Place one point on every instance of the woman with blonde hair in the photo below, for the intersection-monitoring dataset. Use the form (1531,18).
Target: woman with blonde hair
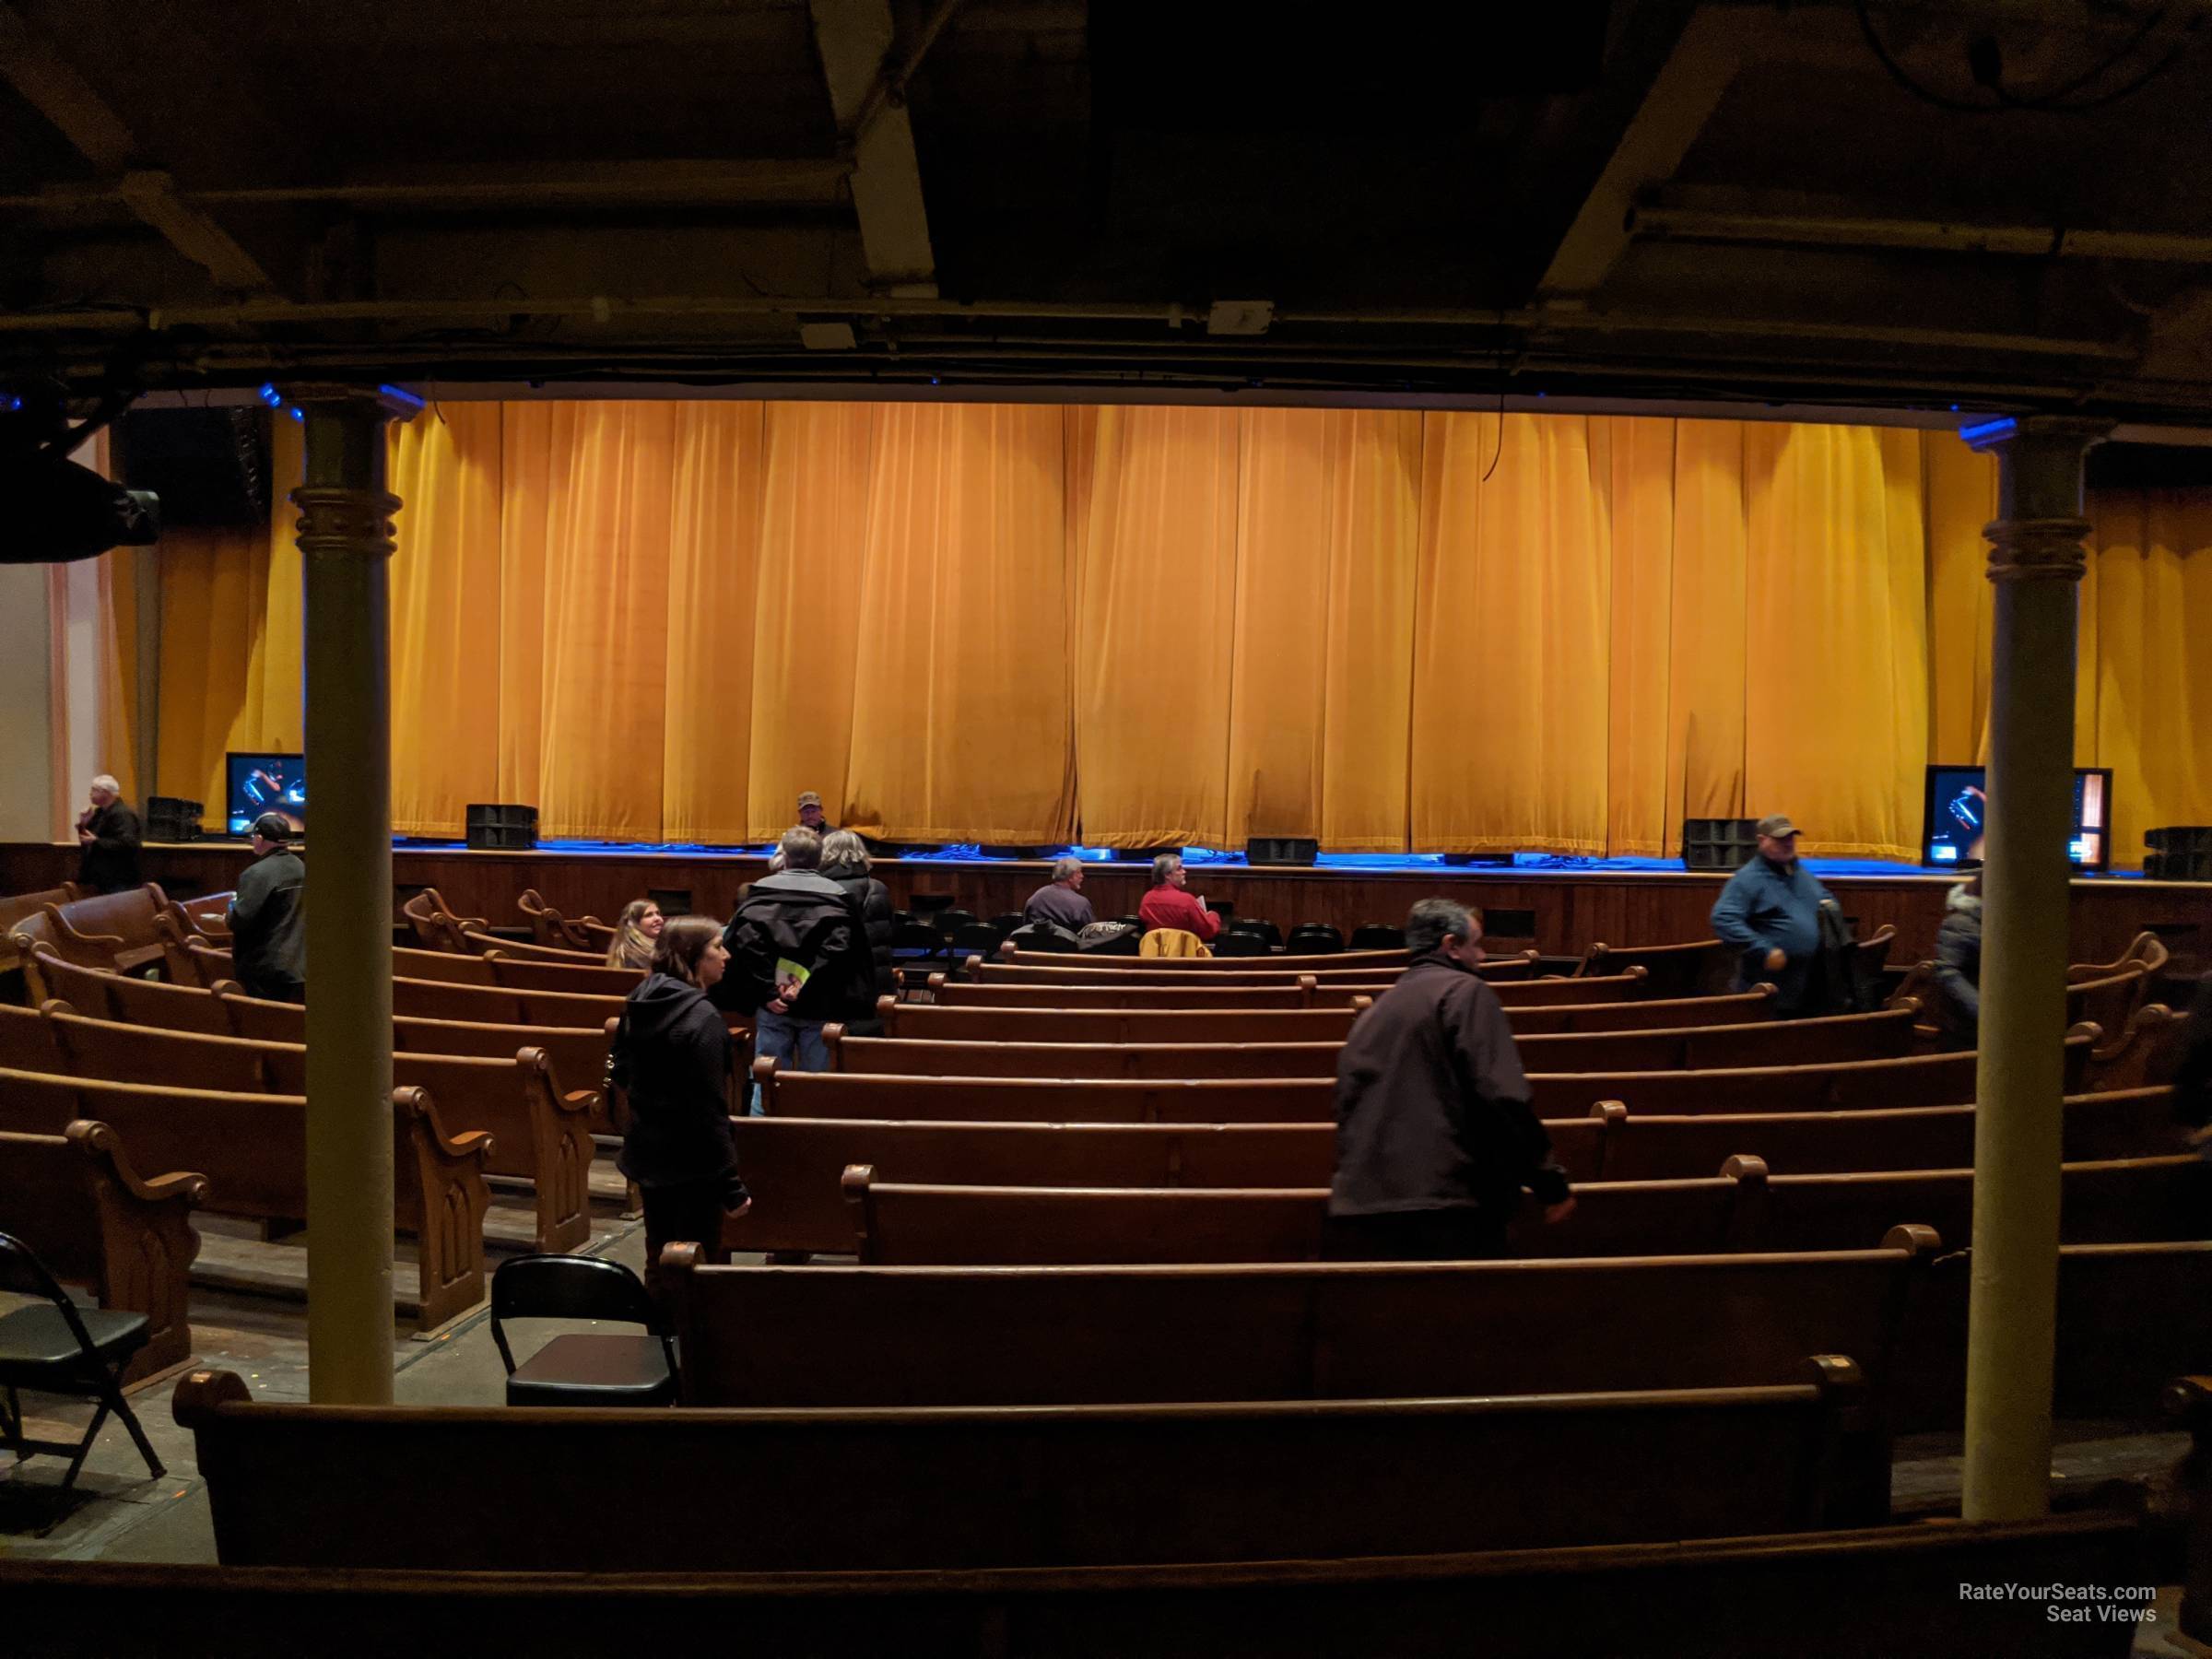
(635,934)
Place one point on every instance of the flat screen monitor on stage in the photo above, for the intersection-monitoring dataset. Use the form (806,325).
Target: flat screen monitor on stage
(259,783)
(1957,812)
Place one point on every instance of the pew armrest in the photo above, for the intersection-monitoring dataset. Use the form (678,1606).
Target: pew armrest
(148,1244)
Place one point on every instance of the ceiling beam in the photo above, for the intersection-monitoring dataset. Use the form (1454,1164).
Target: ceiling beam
(1682,97)
(64,97)
(854,38)
(1814,229)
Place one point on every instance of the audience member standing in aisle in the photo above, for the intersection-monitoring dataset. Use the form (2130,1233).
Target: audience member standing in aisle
(1769,913)
(1170,904)
(268,916)
(671,1057)
(798,957)
(846,861)
(1435,1136)
(107,833)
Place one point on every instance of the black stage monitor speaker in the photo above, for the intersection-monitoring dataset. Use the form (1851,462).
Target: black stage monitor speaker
(209,467)
(2178,853)
(170,819)
(1457,860)
(1281,850)
(1718,843)
(501,828)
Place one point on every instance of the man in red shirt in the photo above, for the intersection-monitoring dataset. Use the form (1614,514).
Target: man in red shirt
(1168,905)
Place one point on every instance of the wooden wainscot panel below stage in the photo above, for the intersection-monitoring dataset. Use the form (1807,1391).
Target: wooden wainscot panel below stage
(1565,910)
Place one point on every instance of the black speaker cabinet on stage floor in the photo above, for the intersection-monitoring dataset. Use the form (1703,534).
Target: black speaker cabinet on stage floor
(500,828)
(1718,843)
(1281,850)
(2178,853)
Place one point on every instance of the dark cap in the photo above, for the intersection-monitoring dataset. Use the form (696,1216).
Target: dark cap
(808,798)
(1777,825)
(271,826)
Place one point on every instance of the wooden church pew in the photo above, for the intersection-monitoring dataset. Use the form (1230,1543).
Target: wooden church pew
(1744,1208)
(252,1150)
(87,1213)
(535,1133)
(971,1486)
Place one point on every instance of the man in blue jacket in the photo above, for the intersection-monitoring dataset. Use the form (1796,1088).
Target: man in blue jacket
(1769,913)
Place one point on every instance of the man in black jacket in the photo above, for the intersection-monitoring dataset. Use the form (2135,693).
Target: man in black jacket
(1435,1138)
(107,833)
(798,957)
(268,917)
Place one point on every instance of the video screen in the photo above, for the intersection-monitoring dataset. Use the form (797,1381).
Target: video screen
(1958,816)
(257,783)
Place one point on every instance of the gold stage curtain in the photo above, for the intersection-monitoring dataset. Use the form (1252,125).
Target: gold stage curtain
(1153,616)
(1388,630)
(1509,671)
(1835,693)
(961,615)
(713,557)
(814,516)
(447,690)
(2148,649)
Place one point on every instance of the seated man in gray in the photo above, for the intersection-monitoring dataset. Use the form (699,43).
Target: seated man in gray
(1060,900)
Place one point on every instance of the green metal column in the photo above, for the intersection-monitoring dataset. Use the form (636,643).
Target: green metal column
(2036,561)
(346,541)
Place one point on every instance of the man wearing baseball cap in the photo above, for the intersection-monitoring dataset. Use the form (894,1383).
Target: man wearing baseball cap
(1769,913)
(268,917)
(810,812)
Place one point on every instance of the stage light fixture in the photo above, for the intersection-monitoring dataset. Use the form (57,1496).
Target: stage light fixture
(53,511)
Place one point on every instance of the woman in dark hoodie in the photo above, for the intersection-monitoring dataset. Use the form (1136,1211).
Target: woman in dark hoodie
(672,1057)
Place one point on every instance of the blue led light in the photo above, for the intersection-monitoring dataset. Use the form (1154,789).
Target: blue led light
(297,413)
(1988,429)
(405,397)
(269,395)
(12,404)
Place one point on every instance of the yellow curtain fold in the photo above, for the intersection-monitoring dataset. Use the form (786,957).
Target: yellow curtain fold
(1835,713)
(2151,698)
(807,615)
(1278,635)
(118,667)
(1510,680)
(1153,621)
(1367,695)
(447,684)
(959,712)
(713,565)
(1633,462)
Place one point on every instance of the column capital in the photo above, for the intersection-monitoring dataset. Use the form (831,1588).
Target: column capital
(334,519)
(2037,550)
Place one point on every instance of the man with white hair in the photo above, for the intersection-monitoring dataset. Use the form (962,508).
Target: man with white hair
(1060,900)
(107,835)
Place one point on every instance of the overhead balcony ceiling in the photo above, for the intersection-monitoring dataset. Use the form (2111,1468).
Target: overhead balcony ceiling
(1999,205)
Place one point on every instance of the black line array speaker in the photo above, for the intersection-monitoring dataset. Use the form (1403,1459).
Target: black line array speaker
(2178,853)
(209,467)
(1718,843)
(501,828)
(173,818)
(1281,850)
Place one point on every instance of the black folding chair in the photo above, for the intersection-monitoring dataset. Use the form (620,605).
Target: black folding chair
(1313,938)
(977,939)
(1375,937)
(1240,944)
(58,1347)
(950,922)
(584,1368)
(1258,926)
